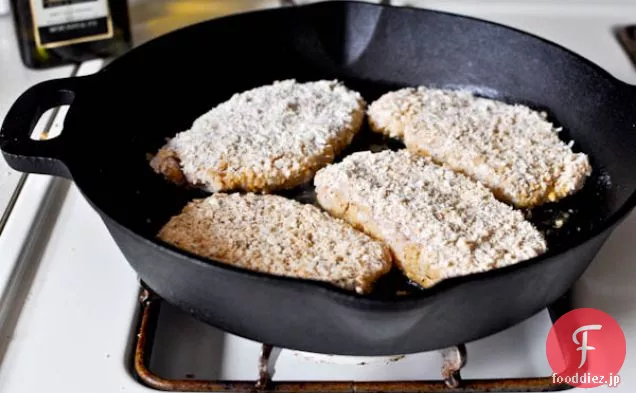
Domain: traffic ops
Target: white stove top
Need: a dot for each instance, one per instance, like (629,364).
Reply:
(68,323)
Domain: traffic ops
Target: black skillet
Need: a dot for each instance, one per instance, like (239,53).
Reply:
(126,111)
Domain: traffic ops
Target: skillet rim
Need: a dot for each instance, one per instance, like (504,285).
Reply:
(369,300)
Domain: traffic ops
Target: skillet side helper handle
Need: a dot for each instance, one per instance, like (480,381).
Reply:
(20,151)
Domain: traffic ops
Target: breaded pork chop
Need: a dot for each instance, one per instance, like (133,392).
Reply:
(272,234)
(268,138)
(511,149)
(438,223)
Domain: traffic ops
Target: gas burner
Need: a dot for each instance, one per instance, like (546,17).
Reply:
(453,360)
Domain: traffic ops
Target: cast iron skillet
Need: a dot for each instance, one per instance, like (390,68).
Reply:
(125,112)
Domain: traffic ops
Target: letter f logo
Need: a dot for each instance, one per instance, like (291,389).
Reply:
(584,347)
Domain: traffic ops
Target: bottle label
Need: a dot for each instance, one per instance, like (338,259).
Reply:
(65,22)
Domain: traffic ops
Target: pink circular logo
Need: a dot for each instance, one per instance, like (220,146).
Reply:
(586,348)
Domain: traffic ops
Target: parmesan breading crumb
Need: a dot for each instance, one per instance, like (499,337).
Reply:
(268,138)
(512,149)
(279,236)
(438,223)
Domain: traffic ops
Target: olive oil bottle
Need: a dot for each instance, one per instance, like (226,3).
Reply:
(56,32)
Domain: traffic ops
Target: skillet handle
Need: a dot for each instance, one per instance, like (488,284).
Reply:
(20,151)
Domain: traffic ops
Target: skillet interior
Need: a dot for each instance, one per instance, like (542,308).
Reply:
(127,111)
(159,89)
